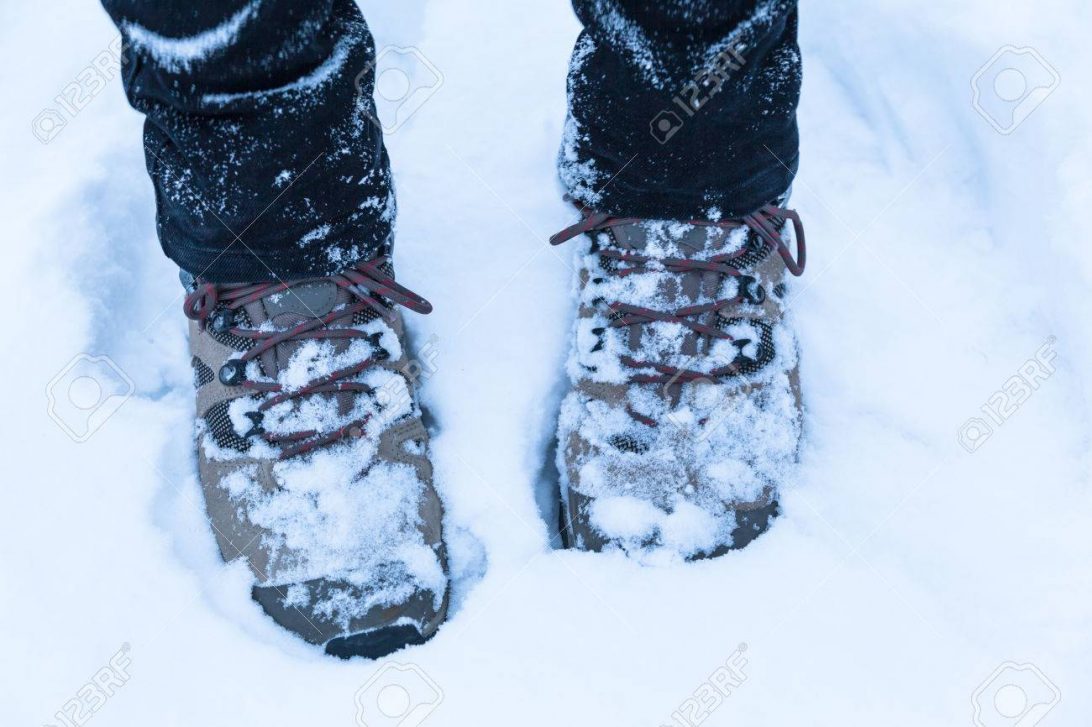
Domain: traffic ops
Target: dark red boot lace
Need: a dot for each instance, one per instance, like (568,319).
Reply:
(373,290)
(766,224)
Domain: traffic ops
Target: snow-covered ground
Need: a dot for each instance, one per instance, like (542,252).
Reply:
(924,556)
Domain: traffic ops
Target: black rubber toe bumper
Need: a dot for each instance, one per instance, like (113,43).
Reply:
(752,523)
(749,525)
(375,644)
(382,630)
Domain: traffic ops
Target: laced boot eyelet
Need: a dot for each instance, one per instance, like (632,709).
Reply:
(222,320)
(751,290)
(255,418)
(233,372)
(378,352)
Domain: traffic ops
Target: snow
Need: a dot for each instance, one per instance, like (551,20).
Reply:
(319,233)
(907,575)
(349,534)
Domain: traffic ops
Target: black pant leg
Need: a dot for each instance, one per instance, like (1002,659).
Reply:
(258,135)
(682,108)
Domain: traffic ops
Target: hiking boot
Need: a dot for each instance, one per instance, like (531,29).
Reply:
(313,458)
(683,416)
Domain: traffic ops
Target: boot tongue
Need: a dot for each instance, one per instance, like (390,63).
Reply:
(664,238)
(302,302)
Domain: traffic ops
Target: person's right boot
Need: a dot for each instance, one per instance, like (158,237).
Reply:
(313,457)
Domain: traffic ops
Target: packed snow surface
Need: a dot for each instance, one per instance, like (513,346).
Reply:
(931,566)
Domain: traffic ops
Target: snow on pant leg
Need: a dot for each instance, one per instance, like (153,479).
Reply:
(682,108)
(258,134)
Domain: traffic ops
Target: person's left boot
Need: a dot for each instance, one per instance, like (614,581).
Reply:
(684,414)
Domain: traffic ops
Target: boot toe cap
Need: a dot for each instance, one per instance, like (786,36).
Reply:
(352,630)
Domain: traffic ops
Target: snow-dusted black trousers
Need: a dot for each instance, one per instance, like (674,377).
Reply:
(265,145)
